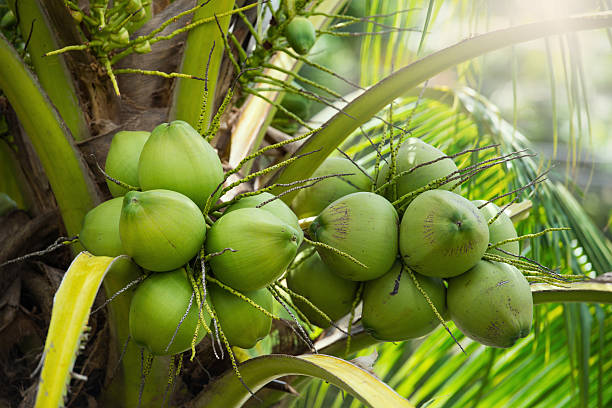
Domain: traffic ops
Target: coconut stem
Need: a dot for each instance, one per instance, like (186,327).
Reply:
(60,242)
(243,297)
(300,330)
(181,322)
(334,250)
(287,300)
(433,307)
(529,236)
(309,303)
(349,330)
(204,98)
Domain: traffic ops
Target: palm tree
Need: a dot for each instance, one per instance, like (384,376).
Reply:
(223,66)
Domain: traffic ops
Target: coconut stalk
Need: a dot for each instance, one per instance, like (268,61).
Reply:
(71,183)
(366,105)
(52,72)
(201,41)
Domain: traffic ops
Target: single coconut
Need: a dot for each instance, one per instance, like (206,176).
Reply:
(330,293)
(442,234)
(276,207)
(100,231)
(242,323)
(301,35)
(158,307)
(122,160)
(491,303)
(161,229)
(411,153)
(363,225)
(311,201)
(263,246)
(176,157)
(395,311)
(499,230)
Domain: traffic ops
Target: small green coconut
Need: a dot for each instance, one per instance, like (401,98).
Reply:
(264,246)
(301,35)
(176,157)
(157,308)
(242,324)
(311,201)
(442,234)
(491,303)
(161,229)
(327,291)
(500,230)
(122,160)
(100,231)
(395,313)
(412,153)
(363,225)
(276,207)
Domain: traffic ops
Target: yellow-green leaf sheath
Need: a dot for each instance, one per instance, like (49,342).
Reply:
(491,303)
(405,314)
(363,225)
(158,305)
(161,229)
(442,234)
(242,324)
(122,160)
(177,158)
(264,247)
(100,232)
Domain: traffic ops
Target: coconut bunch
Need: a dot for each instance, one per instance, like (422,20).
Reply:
(164,184)
(413,249)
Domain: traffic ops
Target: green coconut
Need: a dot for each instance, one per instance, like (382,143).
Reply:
(100,231)
(363,225)
(500,230)
(276,207)
(264,246)
(311,201)
(411,153)
(242,324)
(442,234)
(491,303)
(327,291)
(122,160)
(395,313)
(177,158)
(161,229)
(301,35)
(157,308)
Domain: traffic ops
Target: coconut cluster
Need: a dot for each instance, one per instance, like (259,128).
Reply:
(418,269)
(167,178)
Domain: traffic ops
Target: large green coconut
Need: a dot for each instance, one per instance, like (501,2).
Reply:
(157,308)
(412,153)
(264,246)
(177,158)
(311,201)
(161,229)
(242,324)
(301,35)
(327,291)
(276,207)
(122,159)
(100,231)
(395,313)
(491,303)
(363,225)
(499,230)
(442,234)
